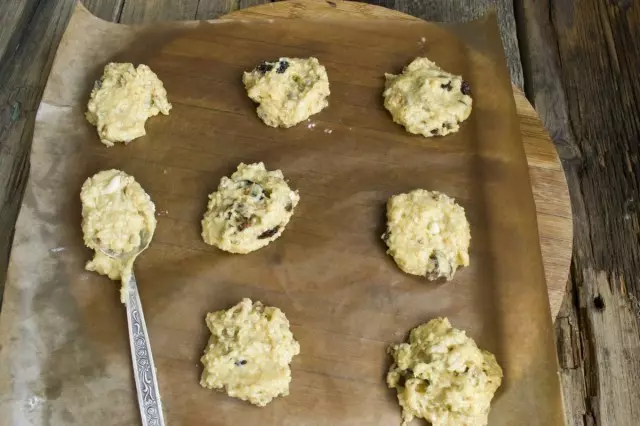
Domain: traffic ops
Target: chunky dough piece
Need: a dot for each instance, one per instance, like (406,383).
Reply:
(249,210)
(249,352)
(427,100)
(441,376)
(122,101)
(289,90)
(116,213)
(427,234)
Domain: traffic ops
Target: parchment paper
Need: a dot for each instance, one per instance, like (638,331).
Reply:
(64,356)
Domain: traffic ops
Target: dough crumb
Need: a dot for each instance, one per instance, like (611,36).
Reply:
(249,352)
(288,91)
(249,210)
(427,234)
(442,376)
(427,100)
(122,101)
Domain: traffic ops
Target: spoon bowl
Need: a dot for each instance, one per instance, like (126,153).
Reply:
(145,240)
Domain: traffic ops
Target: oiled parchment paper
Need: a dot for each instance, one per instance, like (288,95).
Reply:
(64,355)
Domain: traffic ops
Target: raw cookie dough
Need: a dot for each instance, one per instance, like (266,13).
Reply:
(441,376)
(122,101)
(289,90)
(427,100)
(249,352)
(249,210)
(427,234)
(116,213)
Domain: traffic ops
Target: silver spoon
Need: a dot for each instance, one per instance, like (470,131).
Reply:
(144,369)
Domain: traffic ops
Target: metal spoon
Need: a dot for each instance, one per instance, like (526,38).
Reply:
(144,369)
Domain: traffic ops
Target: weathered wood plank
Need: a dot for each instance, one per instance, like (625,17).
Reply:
(581,68)
(109,10)
(136,11)
(23,74)
(570,356)
(14,16)
(213,9)
(466,10)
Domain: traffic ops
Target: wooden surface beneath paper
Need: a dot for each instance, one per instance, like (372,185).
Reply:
(548,181)
(65,354)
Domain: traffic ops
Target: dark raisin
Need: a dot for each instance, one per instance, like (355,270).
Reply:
(264,67)
(241,362)
(433,266)
(465,88)
(404,376)
(401,381)
(282,67)
(268,233)
(435,132)
(447,86)
(243,223)
(289,206)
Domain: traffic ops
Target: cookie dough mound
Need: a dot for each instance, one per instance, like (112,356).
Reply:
(441,376)
(427,234)
(116,214)
(249,352)
(427,100)
(289,90)
(249,210)
(122,101)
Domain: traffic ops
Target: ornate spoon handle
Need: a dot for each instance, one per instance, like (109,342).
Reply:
(144,370)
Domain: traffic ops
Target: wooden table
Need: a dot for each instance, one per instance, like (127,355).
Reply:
(578,62)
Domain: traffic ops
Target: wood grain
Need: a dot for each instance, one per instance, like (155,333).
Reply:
(109,10)
(581,72)
(213,9)
(158,10)
(24,70)
(467,10)
(13,17)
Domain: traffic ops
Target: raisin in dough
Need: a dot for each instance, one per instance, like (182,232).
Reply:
(116,214)
(249,210)
(122,101)
(427,100)
(441,376)
(427,234)
(288,91)
(249,352)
